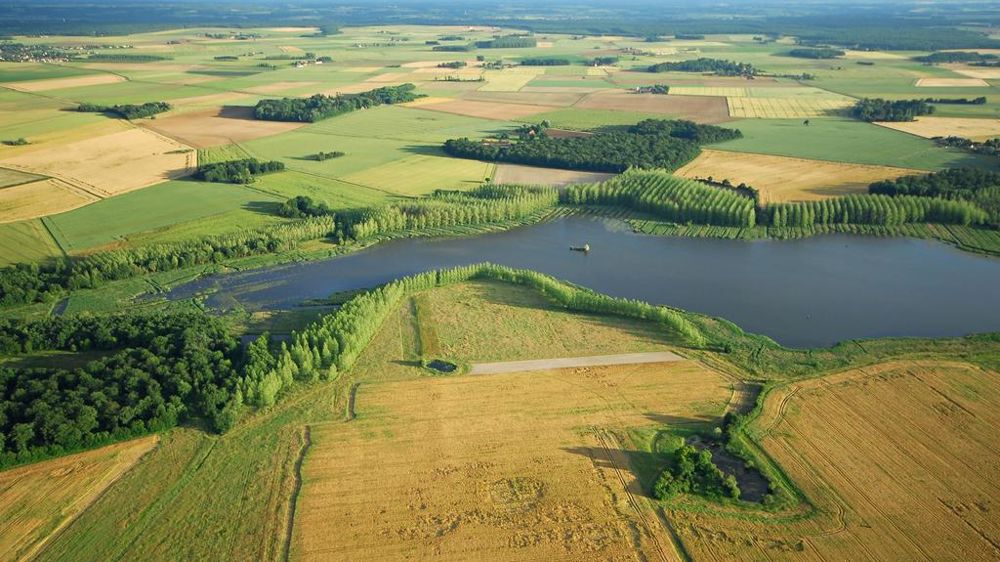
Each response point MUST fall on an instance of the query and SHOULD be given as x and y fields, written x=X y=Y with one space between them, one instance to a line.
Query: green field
x=26 y=241
x=845 y=140
x=154 y=208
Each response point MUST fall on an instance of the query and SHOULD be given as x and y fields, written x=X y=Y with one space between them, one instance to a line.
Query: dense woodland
x=715 y=66
x=652 y=143
x=236 y=171
x=157 y=371
x=877 y=109
x=318 y=107
x=545 y=61
x=955 y=56
x=128 y=110
x=816 y=53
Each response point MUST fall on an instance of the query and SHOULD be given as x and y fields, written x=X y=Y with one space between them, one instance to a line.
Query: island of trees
x=127 y=111
x=509 y=42
x=877 y=109
x=319 y=106
x=653 y=143
x=236 y=171
x=715 y=66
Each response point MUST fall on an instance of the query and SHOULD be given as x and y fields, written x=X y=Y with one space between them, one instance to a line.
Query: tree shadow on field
x=424 y=150
x=263 y=207
x=683 y=422
x=644 y=465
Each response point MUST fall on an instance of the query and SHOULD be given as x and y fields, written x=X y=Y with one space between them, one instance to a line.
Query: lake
x=810 y=292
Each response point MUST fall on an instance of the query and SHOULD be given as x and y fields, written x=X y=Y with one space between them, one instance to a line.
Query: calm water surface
x=811 y=292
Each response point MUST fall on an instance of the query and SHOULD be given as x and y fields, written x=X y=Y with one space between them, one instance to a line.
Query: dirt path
x=569 y=362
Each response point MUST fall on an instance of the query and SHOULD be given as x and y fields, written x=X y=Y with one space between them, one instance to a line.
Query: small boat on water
x=585 y=248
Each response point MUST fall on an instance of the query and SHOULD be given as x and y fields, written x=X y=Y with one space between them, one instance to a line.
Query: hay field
x=532 y=175
x=110 y=164
x=900 y=460
x=785 y=108
x=930 y=127
x=41 y=499
x=952 y=83
x=780 y=178
x=509 y=79
x=218 y=126
x=421 y=174
x=62 y=83
x=702 y=109
x=484 y=109
x=525 y=466
x=41 y=198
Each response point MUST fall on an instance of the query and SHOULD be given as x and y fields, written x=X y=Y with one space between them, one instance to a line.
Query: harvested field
x=702 y=109
x=551 y=100
x=785 y=108
x=573 y=362
x=111 y=164
x=900 y=460
x=533 y=175
x=40 y=199
x=873 y=55
x=780 y=178
x=217 y=126
x=290 y=49
x=526 y=466
x=389 y=77
x=976 y=72
x=41 y=499
x=509 y=79
x=484 y=109
x=61 y=83
x=930 y=127
x=209 y=100
x=952 y=83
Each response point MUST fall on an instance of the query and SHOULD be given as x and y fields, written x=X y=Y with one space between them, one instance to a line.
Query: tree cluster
x=877 y=109
x=128 y=110
x=322 y=156
x=715 y=66
x=158 y=370
x=955 y=56
x=236 y=171
x=452 y=48
x=979 y=187
x=649 y=144
x=302 y=206
x=816 y=53
x=453 y=64
x=981 y=100
x=319 y=106
x=545 y=61
x=123 y=57
x=508 y=42
x=666 y=196
x=692 y=471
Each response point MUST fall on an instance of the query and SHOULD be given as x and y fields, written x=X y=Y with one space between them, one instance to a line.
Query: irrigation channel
x=802 y=293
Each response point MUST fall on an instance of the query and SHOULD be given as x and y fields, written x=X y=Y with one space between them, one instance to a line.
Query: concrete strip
x=570 y=362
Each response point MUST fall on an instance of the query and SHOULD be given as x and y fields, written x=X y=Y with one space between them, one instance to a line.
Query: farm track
x=573 y=362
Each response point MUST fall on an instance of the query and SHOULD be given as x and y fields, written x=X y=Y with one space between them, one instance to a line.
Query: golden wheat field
x=930 y=127
x=40 y=499
x=40 y=199
x=525 y=466
x=898 y=460
x=780 y=178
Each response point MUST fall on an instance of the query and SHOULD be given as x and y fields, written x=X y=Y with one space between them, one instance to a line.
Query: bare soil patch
x=702 y=109
x=217 y=126
x=533 y=175
x=780 y=178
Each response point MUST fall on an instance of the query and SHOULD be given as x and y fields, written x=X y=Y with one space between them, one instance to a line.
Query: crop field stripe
x=52 y=229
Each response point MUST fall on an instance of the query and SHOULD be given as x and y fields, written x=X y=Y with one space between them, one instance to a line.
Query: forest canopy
x=319 y=106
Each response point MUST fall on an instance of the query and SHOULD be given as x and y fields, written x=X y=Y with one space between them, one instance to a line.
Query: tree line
x=955 y=56
x=715 y=66
x=319 y=106
x=877 y=109
x=128 y=110
x=653 y=143
x=236 y=171
x=545 y=61
x=980 y=187
x=816 y=53
x=881 y=210
x=32 y=282
x=158 y=371
x=981 y=100
x=508 y=42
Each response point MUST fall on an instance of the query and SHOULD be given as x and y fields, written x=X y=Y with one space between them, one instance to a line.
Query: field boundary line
x=570 y=362
x=50 y=228
x=293 y=501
